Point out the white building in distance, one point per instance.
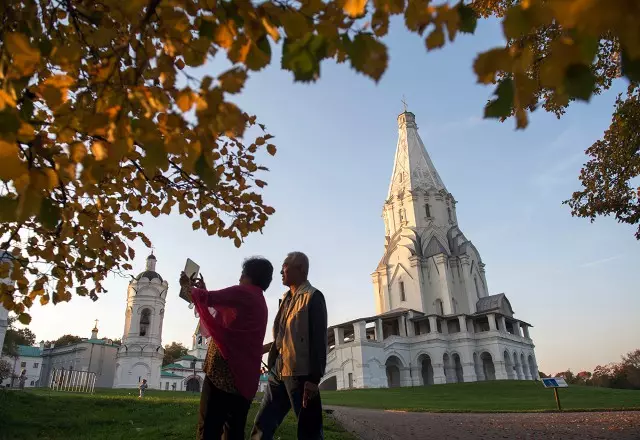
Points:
(29, 359)
(140, 355)
(92, 354)
(436, 321)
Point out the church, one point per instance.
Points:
(435, 320)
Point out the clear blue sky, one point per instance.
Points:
(576, 282)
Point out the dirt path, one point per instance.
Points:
(391, 425)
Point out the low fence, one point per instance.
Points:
(71, 380)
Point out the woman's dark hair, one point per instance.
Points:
(259, 270)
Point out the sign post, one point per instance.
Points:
(555, 383)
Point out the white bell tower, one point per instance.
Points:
(140, 355)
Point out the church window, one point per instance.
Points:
(427, 210)
(145, 320)
(401, 215)
(439, 307)
(402, 294)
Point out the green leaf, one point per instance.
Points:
(501, 106)
(24, 318)
(9, 121)
(206, 29)
(208, 176)
(8, 208)
(579, 81)
(630, 68)
(49, 214)
(303, 56)
(468, 18)
(368, 55)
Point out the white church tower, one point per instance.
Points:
(428, 264)
(435, 320)
(140, 355)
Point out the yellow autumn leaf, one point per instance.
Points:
(185, 100)
(271, 149)
(25, 57)
(271, 29)
(11, 166)
(435, 39)
(6, 100)
(233, 80)
(355, 8)
(224, 34)
(99, 150)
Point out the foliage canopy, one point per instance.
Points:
(100, 119)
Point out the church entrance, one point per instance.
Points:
(427, 371)
(458, 368)
(393, 366)
(193, 385)
(487, 366)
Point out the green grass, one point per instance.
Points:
(502, 396)
(115, 414)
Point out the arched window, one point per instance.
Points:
(439, 307)
(145, 320)
(427, 210)
(402, 294)
(475, 280)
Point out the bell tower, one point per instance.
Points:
(428, 264)
(140, 355)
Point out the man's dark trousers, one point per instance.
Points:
(220, 411)
(282, 395)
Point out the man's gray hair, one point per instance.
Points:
(300, 260)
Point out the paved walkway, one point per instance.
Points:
(370, 424)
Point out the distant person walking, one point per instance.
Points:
(22, 378)
(297, 357)
(143, 387)
(236, 320)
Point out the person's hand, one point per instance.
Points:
(185, 286)
(199, 282)
(310, 392)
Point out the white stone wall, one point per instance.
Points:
(366, 360)
(33, 365)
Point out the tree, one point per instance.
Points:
(6, 370)
(592, 62)
(117, 341)
(16, 336)
(66, 340)
(631, 365)
(173, 352)
(101, 121)
(609, 176)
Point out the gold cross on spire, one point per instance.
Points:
(404, 102)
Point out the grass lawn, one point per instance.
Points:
(115, 414)
(486, 397)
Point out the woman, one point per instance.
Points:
(236, 320)
(143, 387)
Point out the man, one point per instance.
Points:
(297, 357)
(236, 320)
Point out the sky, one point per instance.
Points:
(576, 282)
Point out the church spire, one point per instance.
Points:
(412, 168)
